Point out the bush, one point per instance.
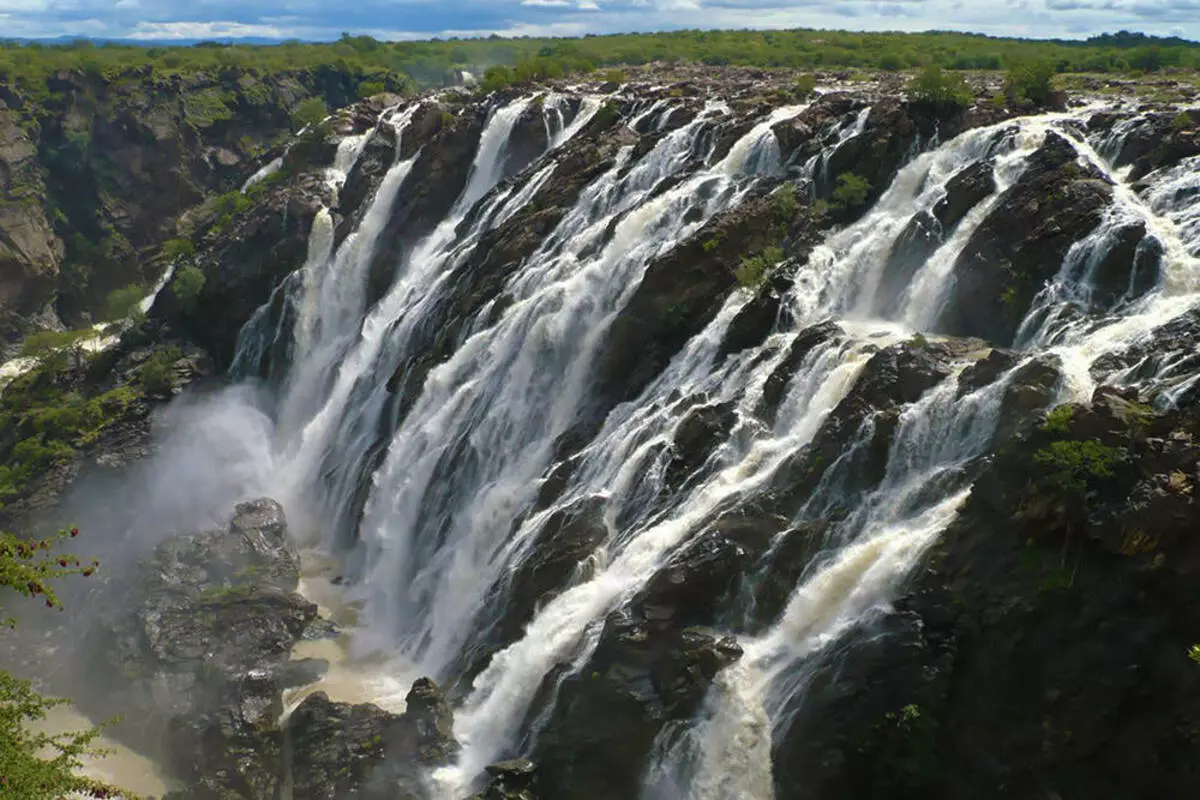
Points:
(188, 284)
(1074, 464)
(804, 87)
(1031, 82)
(939, 90)
(614, 76)
(370, 89)
(852, 191)
(310, 112)
(751, 272)
(123, 303)
(177, 249)
(785, 202)
(38, 765)
(157, 375)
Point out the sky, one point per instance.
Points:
(422, 19)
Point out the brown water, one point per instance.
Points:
(119, 766)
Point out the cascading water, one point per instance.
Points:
(450, 514)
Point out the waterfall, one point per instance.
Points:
(440, 485)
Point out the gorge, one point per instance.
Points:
(689, 435)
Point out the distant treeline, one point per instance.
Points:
(435, 62)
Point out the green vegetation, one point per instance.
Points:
(1074, 465)
(39, 766)
(433, 63)
(786, 202)
(157, 375)
(1194, 653)
(1058, 420)
(310, 112)
(939, 90)
(805, 86)
(46, 419)
(177, 249)
(751, 272)
(1031, 82)
(123, 303)
(188, 284)
(902, 754)
(851, 192)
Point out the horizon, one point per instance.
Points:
(270, 21)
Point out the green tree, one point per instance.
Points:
(188, 284)
(939, 90)
(1030, 82)
(310, 112)
(33, 765)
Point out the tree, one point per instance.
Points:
(939, 90)
(188, 284)
(39, 766)
(310, 112)
(1031, 82)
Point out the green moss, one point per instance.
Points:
(205, 108)
(1073, 465)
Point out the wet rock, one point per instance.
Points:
(1023, 242)
(1129, 268)
(566, 539)
(341, 750)
(600, 734)
(697, 436)
(511, 780)
(800, 349)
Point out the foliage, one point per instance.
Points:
(614, 76)
(371, 88)
(44, 344)
(1058, 420)
(805, 86)
(310, 112)
(785, 201)
(1030, 82)
(1074, 464)
(45, 420)
(939, 90)
(176, 249)
(40, 766)
(1194, 653)
(122, 303)
(157, 375)
(752, 270)
(851, 192)
(187, 285)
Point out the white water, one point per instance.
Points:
(446, 520)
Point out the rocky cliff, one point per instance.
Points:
(702, 438)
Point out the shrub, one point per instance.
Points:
(1074, 464)
(785, 202)
(851, 192)
(157, 375)
(804, 87)
(310, 112)
(1058, 420)
(188, 284)
(370, 89)
(614, 76)
(1031, 82)
(752, 270)
(939, 90)
(176, 249)
(122, 303)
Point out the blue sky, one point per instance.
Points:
(407, 19)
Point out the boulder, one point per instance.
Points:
(1022, 243)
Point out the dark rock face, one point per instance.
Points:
(1043, 646)
(1023, 242)
(200, 661)
(339, 750)
(927, 231)
(603, 726)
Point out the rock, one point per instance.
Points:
(511, 780)
(598, 739)
(1022, 243)
(805, 343)
(697, 436)
(341, 750)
